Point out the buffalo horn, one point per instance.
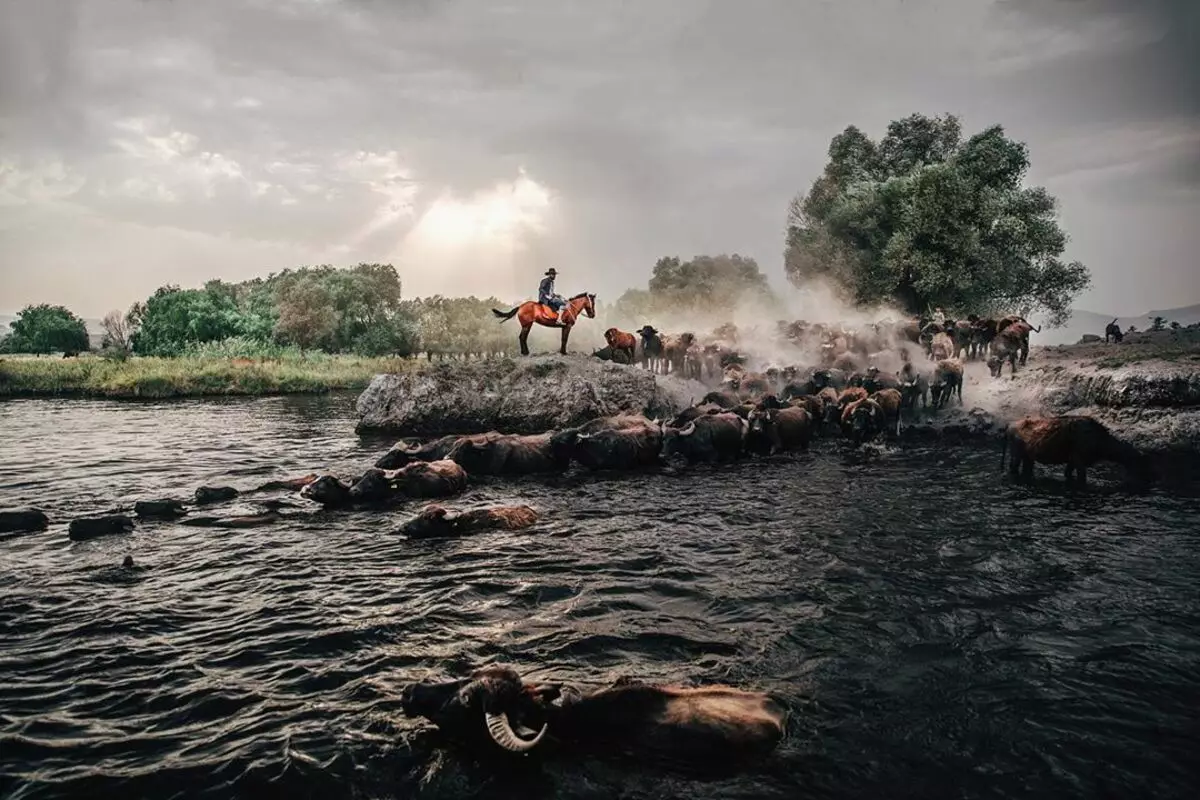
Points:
(502, 733)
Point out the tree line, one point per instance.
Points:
(919, 219)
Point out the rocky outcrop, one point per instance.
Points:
(1152, 402)
(528, 395)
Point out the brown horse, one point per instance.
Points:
(532, 311)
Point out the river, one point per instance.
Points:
(934, 631)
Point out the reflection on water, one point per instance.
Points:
(935, 631)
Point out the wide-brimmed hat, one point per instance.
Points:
(552, 271)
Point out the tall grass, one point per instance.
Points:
(192, 375)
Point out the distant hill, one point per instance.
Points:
(1083, 322)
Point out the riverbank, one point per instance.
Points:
(200, 376)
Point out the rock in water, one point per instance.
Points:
(527, 395)
(20, 520)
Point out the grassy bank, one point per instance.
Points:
(190, 376)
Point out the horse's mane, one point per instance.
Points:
(581, 294)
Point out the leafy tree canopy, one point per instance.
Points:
(46, 329)
(711, 286)
(924, 219)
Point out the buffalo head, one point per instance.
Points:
(493, 704)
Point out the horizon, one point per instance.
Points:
(473, 147)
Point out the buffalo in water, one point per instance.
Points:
(782, 429)
(416, 480)
(436, 521)
(622, 442)
(494, 710)
(863, 420)
(1075, 442)
(408, 451)
(509, 454)
(713, 437)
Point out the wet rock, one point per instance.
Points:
(267, 517)
(215, 494)
(91, 527)
(21, 520)
(158, 509)
(527, 395)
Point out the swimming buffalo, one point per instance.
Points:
(510, 454)
(416, 480)
(1076, 442)
(889, 401)
(435, 521)
(91, 527)
(408, 451)
(713, 437)
(494, 710)
(622, 442)
(23, 519)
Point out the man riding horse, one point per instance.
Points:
(547, 296)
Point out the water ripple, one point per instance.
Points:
(933, 631)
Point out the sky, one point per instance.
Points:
(474, 144)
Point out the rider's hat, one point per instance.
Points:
(552, 271)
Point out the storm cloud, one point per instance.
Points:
(473, 144)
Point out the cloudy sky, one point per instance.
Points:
(474, 143)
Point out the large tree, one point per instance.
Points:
(46, 329)
(923, 218)
(307, 317)
(709, 285)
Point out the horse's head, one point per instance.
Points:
(588, 306)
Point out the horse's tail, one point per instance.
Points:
(506, 315)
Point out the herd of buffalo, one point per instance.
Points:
(850, 348)
(862, 382)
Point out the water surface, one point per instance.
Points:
(934, 631)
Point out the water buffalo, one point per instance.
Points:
(408, 451)
(1017, 328)
(713, 437)
(287, 484)
(835, 378)
(21, 520)
(435, 521)
(783, 428)
(652, 347)
(889, 400)
(158, 509)
(607, 353)
(863, 420)
(692, 412)
(1076, 442)
(622, 442)
(753, 384)
(621, 343)
(495, 710)
(91, 527)
(876, 380)
(947, 381)
(511, 454)
(722, 398)
(847, 396)
(1113, 330)
(268, 516)
(215, 494)
(941, 347)
(675, 348)
(418, 479)
(913, 385)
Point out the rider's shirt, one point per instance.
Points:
(546, 289)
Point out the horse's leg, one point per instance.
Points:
(565, 335)
(524, 338)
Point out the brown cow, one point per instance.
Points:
(675, 349)
(1076, 442)
(941, 347)
(783, 429)
(862, 420)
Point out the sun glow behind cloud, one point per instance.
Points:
(484, 244)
